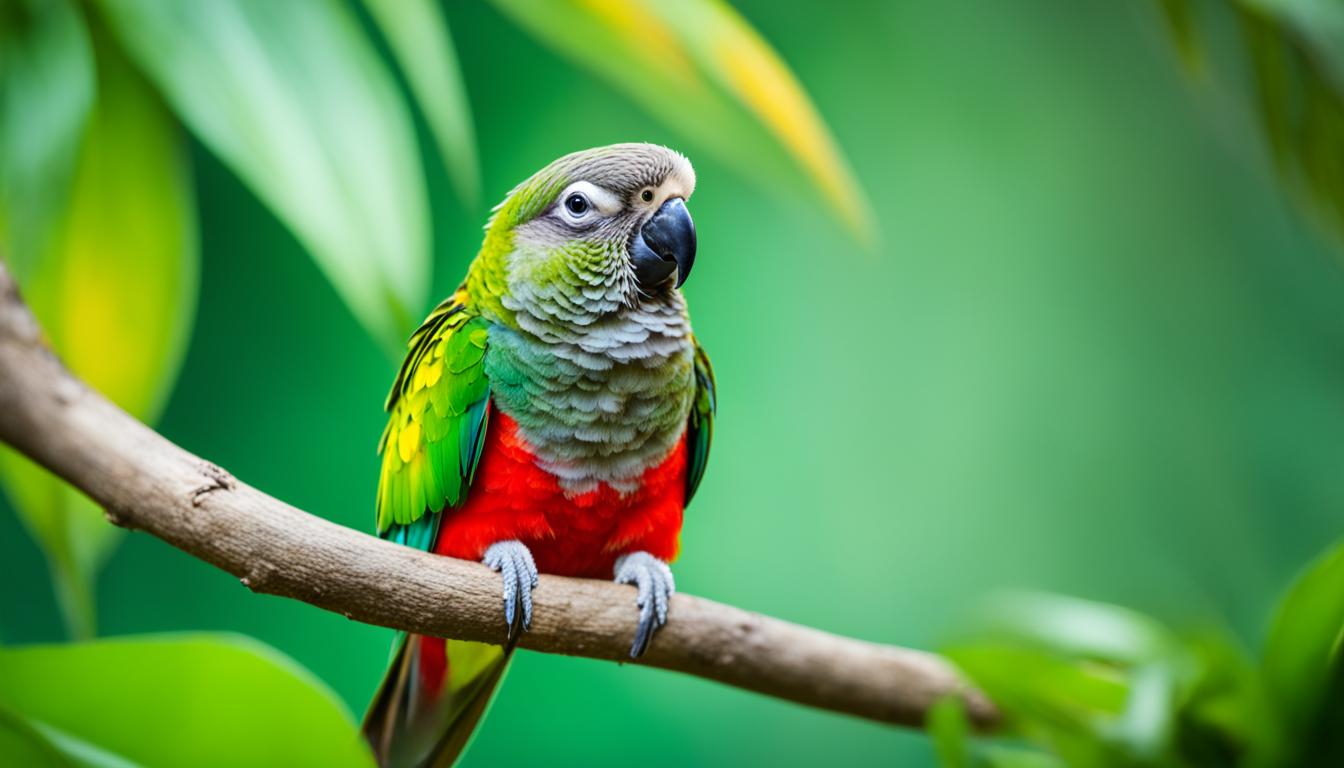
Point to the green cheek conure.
(553, 415)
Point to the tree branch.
(146, 482)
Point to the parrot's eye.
(576, 204)
(646, 195)
(583, 203)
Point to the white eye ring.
(582, 201)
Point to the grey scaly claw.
(512, 560)
(655, 585)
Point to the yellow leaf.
(733, 53)
(700, 67)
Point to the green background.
(1097, 352)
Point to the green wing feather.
(438, 408)
(700, 428)
(438, 411)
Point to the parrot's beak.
(666, 243)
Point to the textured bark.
(147, 483)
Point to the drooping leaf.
(739, 60)
(700, 67)
(46, 76)
(198, 700)
(115, 293)
(293, 98)
(418, 34)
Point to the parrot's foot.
(653, 579)
(514, 562)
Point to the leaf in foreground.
(1303, 664)
(21, 743)
(198, 700)
(1100, 685)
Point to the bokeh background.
(1097, 351)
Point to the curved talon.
(512, 560)
(655, 585)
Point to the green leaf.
(700, 67)
(115, 294)
(1100, 685)
(1072, 627)
(293, 98)
(1324, 737)
(1223, 716)
(1294, 52)
(1180, 18)
(418, 34)
(947, 727)
(1319, 23)
(1302, 654)
(46, 75)
(1091, 682)
(23, 744)
(1034, 684)
(198, 700)
(1010, 757)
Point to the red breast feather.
(513, 498)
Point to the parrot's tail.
(428, 705)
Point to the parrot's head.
(598, 229)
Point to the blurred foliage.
(46, 74)
(295, 99)
(1294, 53)
(1098, 685)
(115, 291)
(1094, 370)
(418, 35)
(699, 66)
(1303, 671)
(198, 700)
(23, 744)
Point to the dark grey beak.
(665, 244)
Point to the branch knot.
(216, 479)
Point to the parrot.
(553, 415)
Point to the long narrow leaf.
(735, 55)
(292, 97)
(700, 67)
(418, 34)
